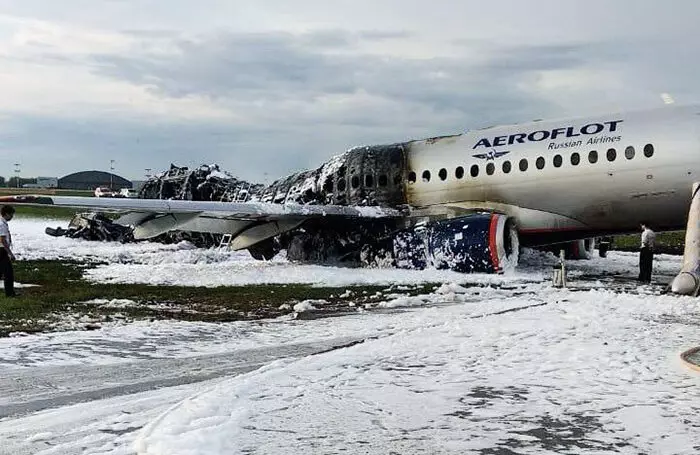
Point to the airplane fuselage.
(569, 178)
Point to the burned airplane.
(464, 202)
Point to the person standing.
(6, 256)
(646, 253)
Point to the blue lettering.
(499, 140)
(570, 132)
(534, 136)
(519, 138)
(556, 132)
(537, 136)
(613, 125)
(482, 143)
(597, 126)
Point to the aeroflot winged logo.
(491, 154)
(591, 129)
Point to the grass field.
(61, 293)
(51, 191)
(45, 211)
(666, 242)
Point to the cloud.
(274, 87)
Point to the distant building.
(89, 180)
(47, 182)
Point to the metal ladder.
(242, 194)
(225, 241)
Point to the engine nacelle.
(479, 243)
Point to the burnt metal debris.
(206, 183)
(362, 176)
(93, 226)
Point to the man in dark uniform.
(6, 256)
(646, 253)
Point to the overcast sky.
(268, 87)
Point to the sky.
(268, 87)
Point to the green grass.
(45, 211)
(61, 288)
(51, 191)
(666, 242)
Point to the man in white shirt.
(646, 253)
(6, 256)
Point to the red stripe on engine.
(493, 229)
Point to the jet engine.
(478, 243)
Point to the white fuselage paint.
(603, 196)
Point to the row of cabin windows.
(382, 181)
(523, 164)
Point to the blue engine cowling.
(478, 243)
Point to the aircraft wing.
(152, 217)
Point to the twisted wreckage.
(363, 177)
(206, 183)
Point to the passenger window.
(523, 165)
(341, 185)
(442, 174)
(506, 167)
(557, 160)
(412, 177)
(648, 150)
(355, 181)
(490, 169)
(629, 152)
(426, 176)
(575, 159)
(328, 186)
(612, 154)
(540, 163)
(459, 172)
(369, 181)
(474, 171)
(383, 180)
(593, 157)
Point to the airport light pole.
(17, 171)
(111, 173)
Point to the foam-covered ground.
(512, 366)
